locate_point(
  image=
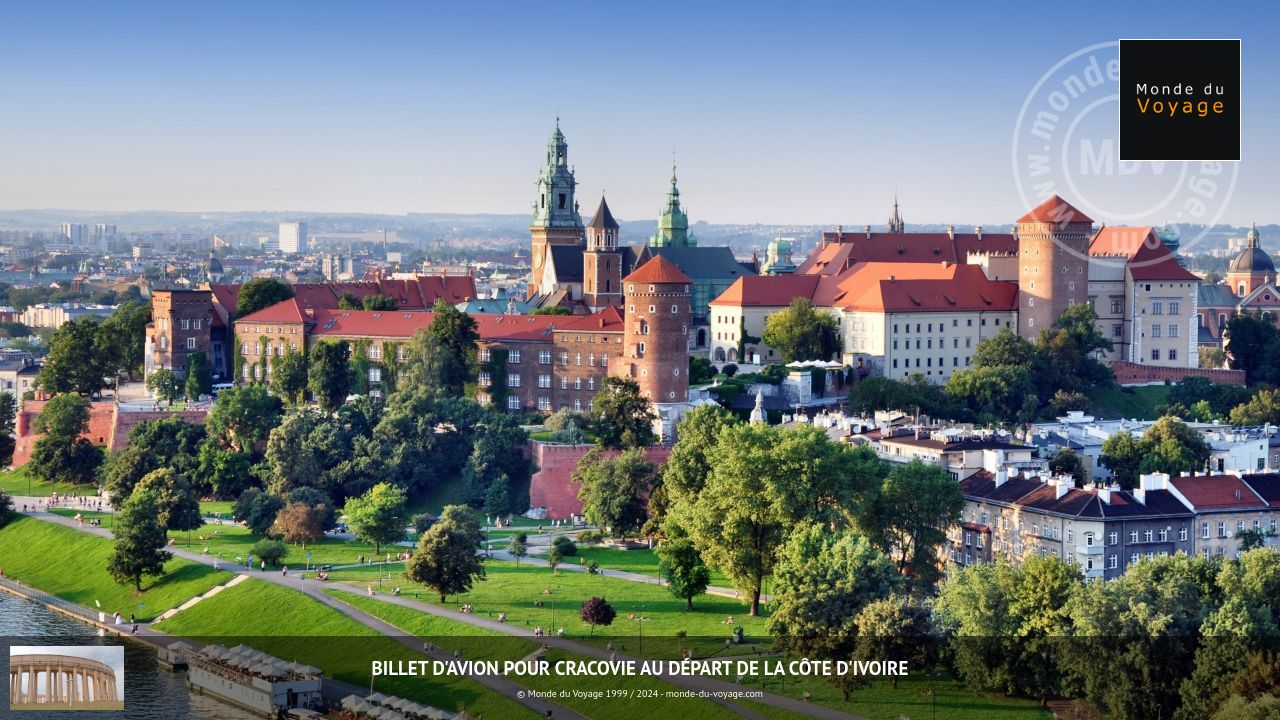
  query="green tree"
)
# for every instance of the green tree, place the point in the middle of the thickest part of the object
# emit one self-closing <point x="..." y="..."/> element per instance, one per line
<point x="261" y="293"/>
<point x="442" y="356"/>
<point x="1252" y="341"/>
<point x="349" y="301"/>
<point x="519" y="547"/>
<point x="223" y="473"/>
<point x="8" y="414"/>
<point x="199" y="376"/>
<point x="1067" y="462"/>
<point x="621" y="417"/>
<point x="62" y="454"/>
<point x="74" y="363"/>
<point x="554" y="557"/>
<point x="821" y="582"/>
<point x="6" y="509"/>
<point x="687" y="575"/>
<point x="448" y="558"/>
<point x="378" y="516"/>
<point x="597" y="611"/>
<point x="802" y="333"/>
<point x="289" y="377"/>
<point x="163" y="385"/>
<point x="896" y="629"/>
<point x="1122" y="454"/>
<point x="688" y="465"/>
<point x="242" y="418"/>
<point x="257" y="510"/>
<point x="138" y="550"/>
<point x="1072" y="348"/>
<point x="177" y="504"/>
<point x="996" y="393"/>
<point x="909" y="518"/>
<point x="1263" y="407"/>
<point x="379" y="302"/>
<point x="614" y="489"/>
<point x="1264" y="707"/>
<point x="171" y="443"/>
<point x="122" y="337"/>
<point x="329" y="375"/>
<point x="551" y="310"/>
<point x="1171" y="446"/>
<point x="269" y="551"/>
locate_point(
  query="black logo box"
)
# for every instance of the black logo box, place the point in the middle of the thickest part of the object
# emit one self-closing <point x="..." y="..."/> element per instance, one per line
<point x="1187" y="69"/>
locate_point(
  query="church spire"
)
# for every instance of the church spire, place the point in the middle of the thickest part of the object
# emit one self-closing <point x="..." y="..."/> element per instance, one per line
<point x="556" y="206"/>
<point x="895" y="221"/>
<point x="673" y="223"/>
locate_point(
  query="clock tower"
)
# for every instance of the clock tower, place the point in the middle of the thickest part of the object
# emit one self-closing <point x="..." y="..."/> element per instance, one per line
<point x="556" y="220"/>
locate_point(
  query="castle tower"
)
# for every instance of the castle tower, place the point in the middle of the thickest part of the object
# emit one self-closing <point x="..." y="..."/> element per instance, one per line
<point x="555" y="213"/>
<point x="673" y="223"/>
<point x="1053" y="263"/>
<point x="656" y="338"/>
<point x="1252" y="268"/>
<point x="602" y="261"/>
<point x="895" y="223"/>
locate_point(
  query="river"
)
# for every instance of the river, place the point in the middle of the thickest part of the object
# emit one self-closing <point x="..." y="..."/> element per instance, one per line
<point x="150" y="691"/>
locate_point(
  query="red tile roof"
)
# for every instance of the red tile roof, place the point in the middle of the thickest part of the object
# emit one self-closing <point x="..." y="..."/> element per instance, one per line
<point x="843" y="250"/>
<point x="287" y="311"/>
<point x="1055" y="210"/>
<point x="1217" y="492"/>
<point x="419" y="293"/>
<point x="916" y="287"/>
<point x="768" y="290"/>
<point x="658" y="270"/>
<point x="1148" y="258"/>
<point x="607" y="320"/>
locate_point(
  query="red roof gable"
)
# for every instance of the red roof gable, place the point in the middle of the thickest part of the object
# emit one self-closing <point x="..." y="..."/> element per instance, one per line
<point x="658" y="270"/>
<point x="1217" y="492"/>
<point x="915" y="287"/>
<point x="1148" y="258"/>
<point x="285" y="311"/>
<point x="606" y="320"/>
<point x="767" y="290"/>
<point x="1055" y="210"/>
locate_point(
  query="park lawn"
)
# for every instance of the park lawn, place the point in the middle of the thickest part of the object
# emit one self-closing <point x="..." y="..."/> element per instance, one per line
<point x="228" y="541"/>
<point x="210" y="508"/>
<point x="19" y="481"/>
<point x="640" y="560"/>
<point x="480" y="644"/>
<point x="512" y="590"/>
<point x="72" y="565"/>
<point x="880" y="701"/>
<point x="1113" y="402"/>
<point x="292" y="626"/>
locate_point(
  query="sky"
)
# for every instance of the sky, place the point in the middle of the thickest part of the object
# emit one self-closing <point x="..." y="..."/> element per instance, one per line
<point x="796" y="112"/>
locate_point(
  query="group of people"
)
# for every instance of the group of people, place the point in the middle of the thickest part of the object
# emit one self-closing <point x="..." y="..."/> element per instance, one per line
<point x="539" y="632"/>
<point x="466" y="608"/>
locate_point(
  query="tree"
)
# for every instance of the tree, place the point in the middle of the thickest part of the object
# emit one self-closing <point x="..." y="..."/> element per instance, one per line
<point x="379" y="302"/>
<point x="518" y="547"/>
<point x="1122" y="454"/>
<point x="1213" y="357"/>
<point x="896" y="629"/>
<point x="614" y="489"/>
<point x="261" y="293"/>
<point x="299" y="523"/>
<point x="6" y="508"/>
<point x="171" y="443"/>
<point x="349" y="301"/>
<point x="242" y="417"/>
<point x="597" y="611"/>
<point x="802" y="333"/>
<point x="74" y="363"/>
<point x="1067" y="462"/>
<point x="551" y="310"/>
<point x="378" y="516"/>
<point x="289" y="377"/>
<point x="909" y="516"/>
<point x="621" y="417"/>
<point x="700" y="370"/>
<point x="687" y="575"/>
<point x="8" y="414"/>
<point x="62" y="454"/>
<point x="442" y="356"/>
<point x="138" y="550"/>
<point x="1250" y="538"/>
<point x="821" y="582"/>
<point x="554" y="557"/>
<point x="1171" y="446"/>
<point x="163" y="385"/>
<point x="177" y="504"/>
<point x="1263" y="407"/>
<point x="1264" y="707"/>
<point x="257" y="510"/>
<point x="996" y="393"/>
<point x="199" y="376"/>
<point x="1252" y="341"/>
<point x="1072" y="348"/>
<point x="223" y="473"/>
<point x="448" y="558"/>
<point x="269" y="551"/>
<point x="688" y="464"/>
<point x="329" y="376"/>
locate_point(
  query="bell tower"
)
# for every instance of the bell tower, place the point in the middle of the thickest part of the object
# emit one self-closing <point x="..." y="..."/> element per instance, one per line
<point x="602" y="261"/>
<point x="555" y="211"/>
<point x="673" y="223"/>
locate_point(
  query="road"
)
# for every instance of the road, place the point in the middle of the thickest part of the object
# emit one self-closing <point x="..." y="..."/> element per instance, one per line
<point x="314" y="589"/>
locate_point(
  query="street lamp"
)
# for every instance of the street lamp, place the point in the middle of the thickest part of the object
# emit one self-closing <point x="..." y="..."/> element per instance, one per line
<point x="640" y="621"/>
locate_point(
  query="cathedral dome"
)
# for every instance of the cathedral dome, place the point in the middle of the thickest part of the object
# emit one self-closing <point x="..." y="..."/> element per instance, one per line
<point x="1253" y="259"/>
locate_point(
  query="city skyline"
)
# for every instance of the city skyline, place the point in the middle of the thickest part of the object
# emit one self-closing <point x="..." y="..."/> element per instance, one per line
<point x="776" y="117"/>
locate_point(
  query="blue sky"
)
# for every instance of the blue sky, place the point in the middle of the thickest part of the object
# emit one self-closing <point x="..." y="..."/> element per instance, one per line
<point x="778" y="112"/>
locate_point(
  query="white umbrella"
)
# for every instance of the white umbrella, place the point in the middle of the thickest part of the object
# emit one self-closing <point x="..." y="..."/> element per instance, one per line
<point x="349" y="702"/>
<point x="376" y="698"/>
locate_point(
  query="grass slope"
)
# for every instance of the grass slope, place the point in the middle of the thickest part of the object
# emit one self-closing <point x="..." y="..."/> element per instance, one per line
<point x="72" y="565"/>
<point x="292" y="626"/>
<point x="19" y="481"/>
<point x="1110" y="403"/>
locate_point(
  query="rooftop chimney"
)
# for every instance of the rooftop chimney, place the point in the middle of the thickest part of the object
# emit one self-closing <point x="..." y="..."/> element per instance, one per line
<point x="978" y="231"/>
<point x="951" y="231"/>
<point x="1061" y="487"/>
<point x="1002" y="476"/>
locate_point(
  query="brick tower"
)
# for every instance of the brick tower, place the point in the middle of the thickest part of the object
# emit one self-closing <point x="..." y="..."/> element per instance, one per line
<point x="555" y="213"/>
<point x="602" y="261"/>
<point x="1053" y="263"/>
<point x="656" y="338"/>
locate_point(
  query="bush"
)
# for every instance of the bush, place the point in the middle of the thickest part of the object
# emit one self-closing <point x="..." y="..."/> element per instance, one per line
<point x="593" y="567"/>
<point x="565" y="545"/>
<point x="590" y="537"/>
<point x="561" y="418"/>
<point x="729" y="370"/>
<point x="272" y="551"/>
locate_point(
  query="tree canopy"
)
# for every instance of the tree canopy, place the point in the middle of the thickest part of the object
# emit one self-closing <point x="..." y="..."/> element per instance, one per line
<point x="261" y="293"/>
<point x="620" y="416"/>
<point x="802" y="332"/>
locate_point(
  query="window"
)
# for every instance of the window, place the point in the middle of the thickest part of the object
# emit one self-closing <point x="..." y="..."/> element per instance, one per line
<point x="1112" y="538"/>
<point x="1155" y="354"/>
<point x="375" y="352"/>
<point x="544" y="404"/>
<point x="1133" y="558"/>
<point x="1070" y="534"/>
<point x="1117" y="330"/>
<point x="1112" y="562"/>
<point x="513" y="380"/>
<point x="1204" y="530"/>
<point x="1116" y="306"/>
<point x="244" y="348"/>
<point x="544" y="381"/>
<point x="591" y="359"/>
<point x="1164" y="535"/>
<point x="604" y="360"/>
<point x="1155" y="331"/>
<point x="591" y="383"/>
<point x="1157" y="307"/>
<point x="1147" y="536"/>
<point x="564" y="383"/>
<point x="1173" y="330"/>
<point x="186" y="324"/>
<point x="514" y="357"/>
<point x="1133" y="536"/>
<point x="577" y="383"/>
<point x="191" y="343"/>
<point x="1182" y="535"/>
<point x="513" y="403"/>
<point x="483" y="355"/>
<point x="484" y="380"/>
<point x="564" y="357"/>
<point x="1174" y="307"/>
<point x="544" y="357"/>
<point x="375" y="374"/>
<point x="1222" y="529"/>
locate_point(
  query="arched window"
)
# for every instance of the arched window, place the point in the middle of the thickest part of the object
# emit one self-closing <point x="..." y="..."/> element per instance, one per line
<point x="719" y="354"/>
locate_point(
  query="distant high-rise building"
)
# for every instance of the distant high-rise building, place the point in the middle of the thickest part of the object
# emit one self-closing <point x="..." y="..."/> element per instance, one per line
<point x="293" y="237"/>
<point x="74" y="233"/>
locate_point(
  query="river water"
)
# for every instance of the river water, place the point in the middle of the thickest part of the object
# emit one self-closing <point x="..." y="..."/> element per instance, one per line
<point x="150" y="691"/>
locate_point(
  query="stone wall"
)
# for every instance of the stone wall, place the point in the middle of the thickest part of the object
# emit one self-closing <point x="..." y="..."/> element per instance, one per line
<point x="1133" y="374"/>
<point x="552" y="486"/>
<point x="108" y="426"/>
